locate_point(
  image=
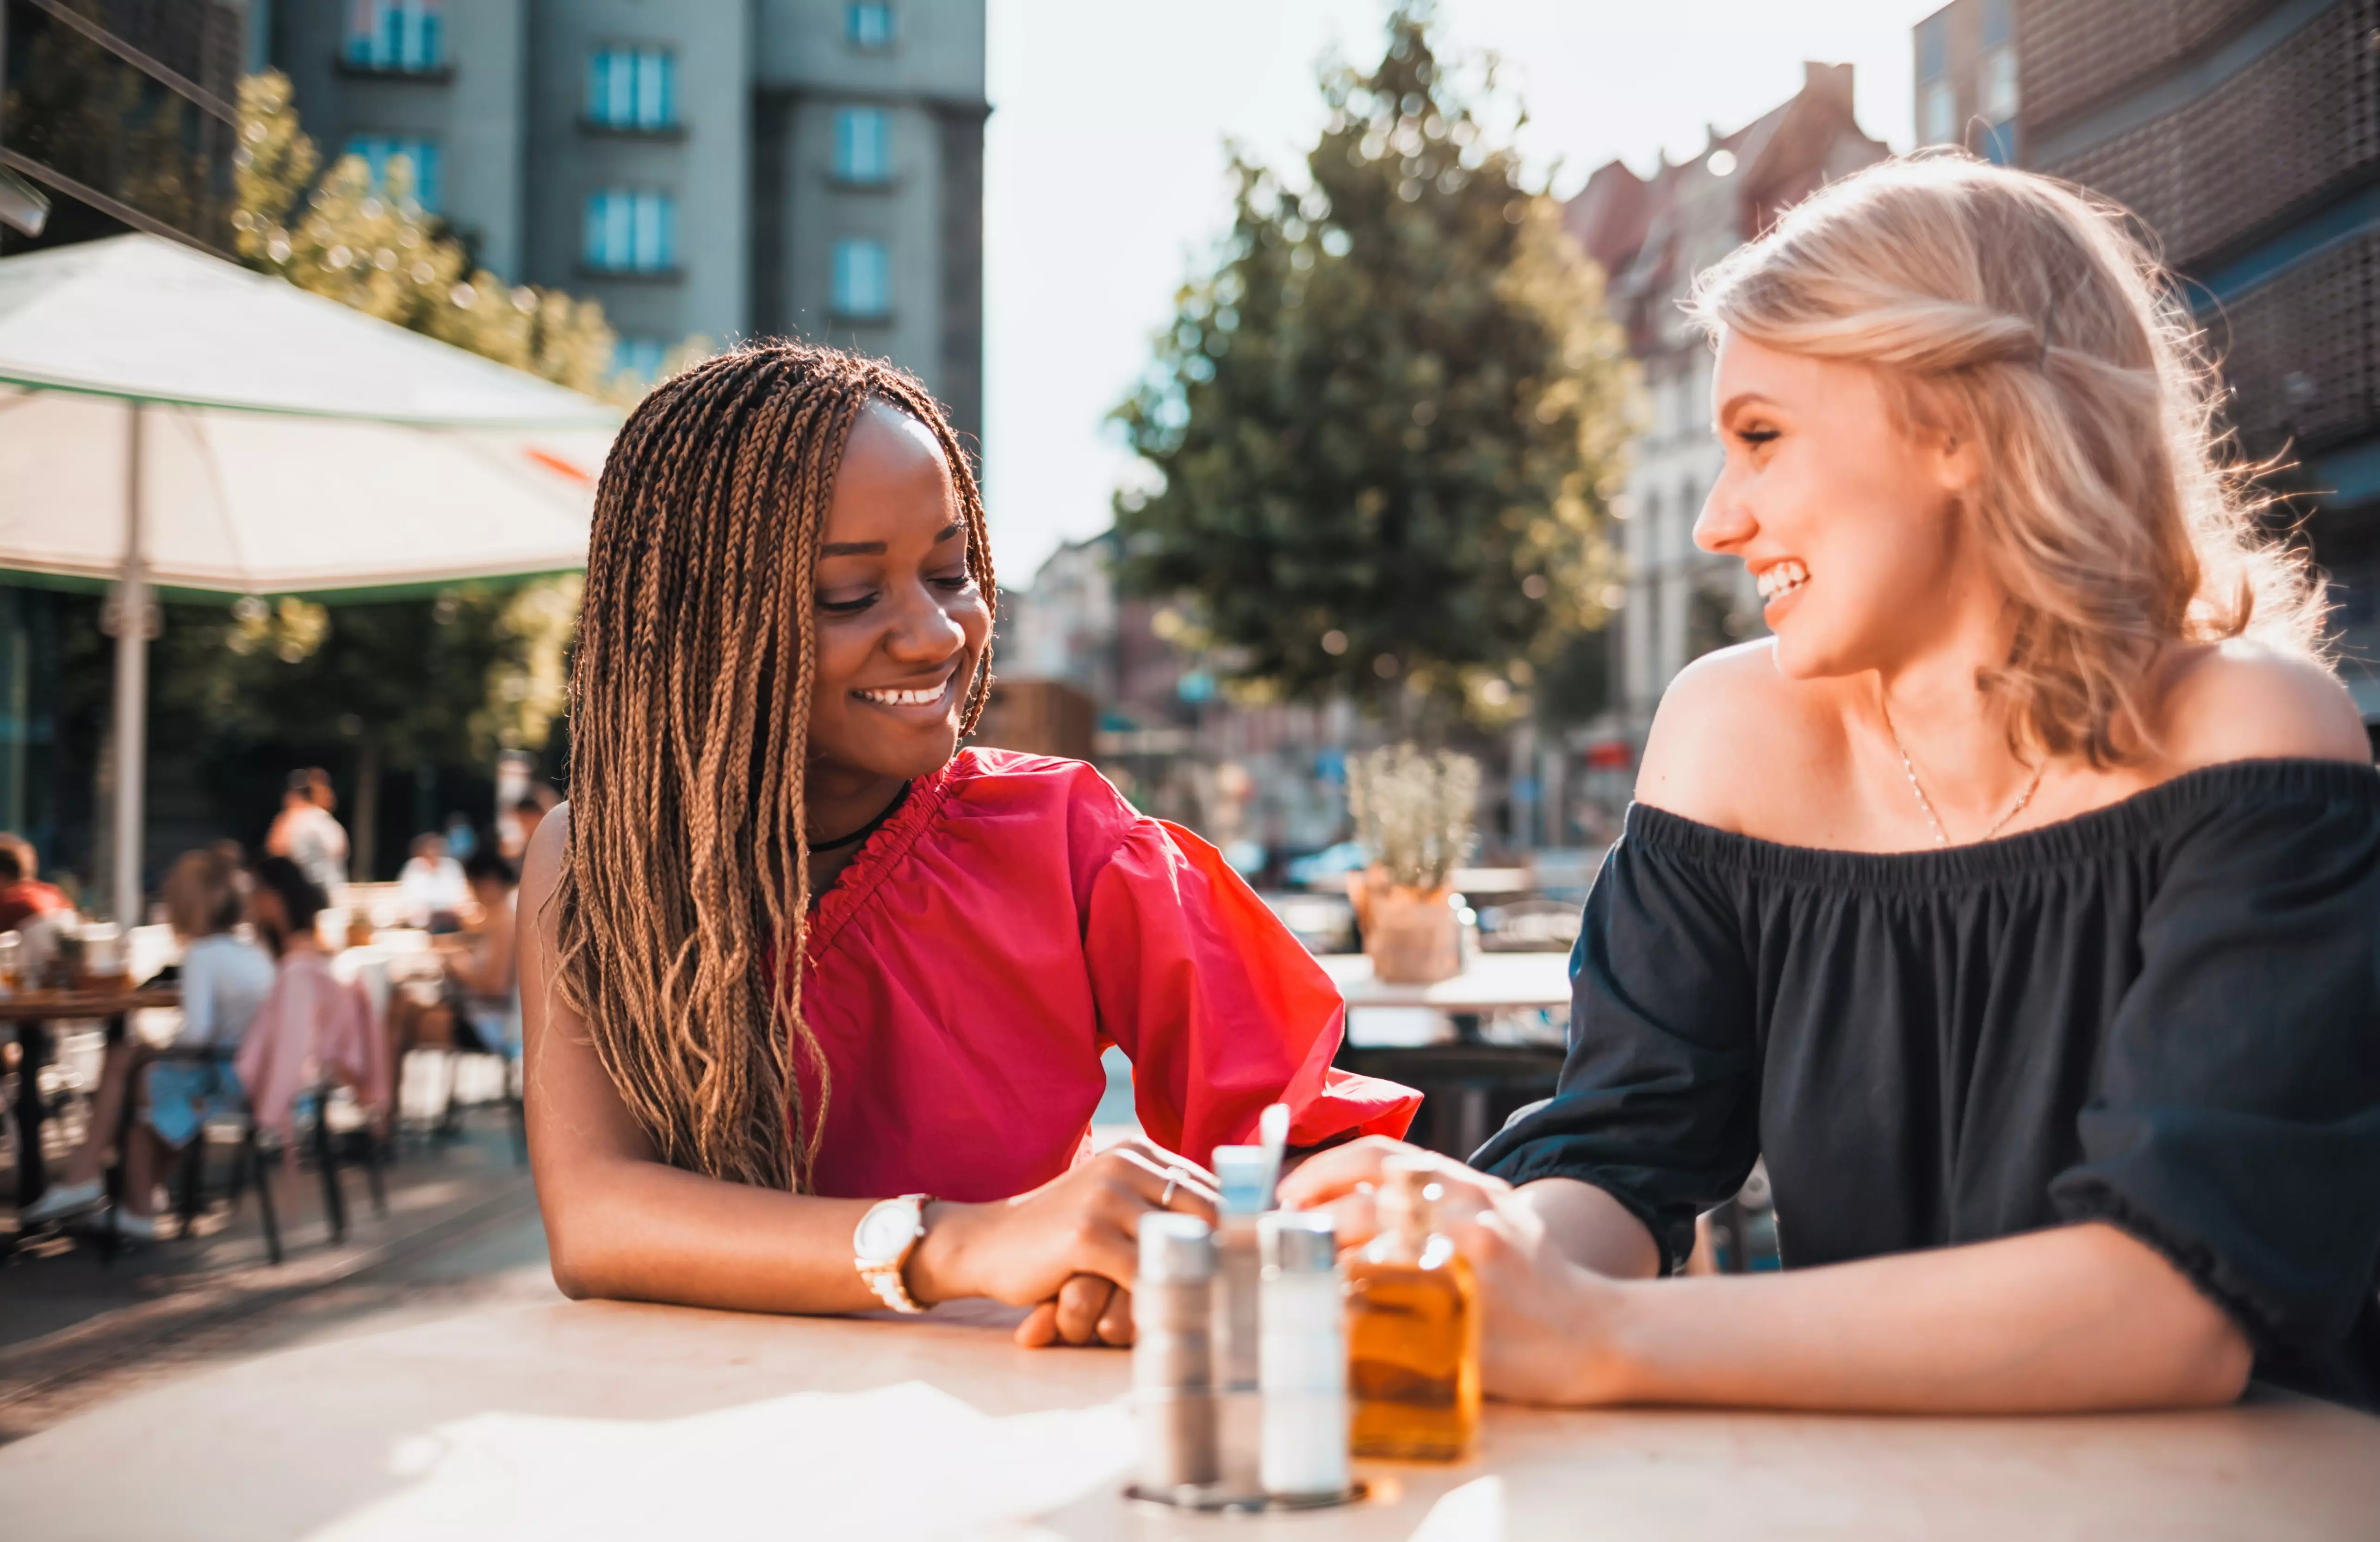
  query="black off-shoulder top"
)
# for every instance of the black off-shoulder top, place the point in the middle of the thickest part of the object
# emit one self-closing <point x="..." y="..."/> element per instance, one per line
<point x="2163" y="1015"/>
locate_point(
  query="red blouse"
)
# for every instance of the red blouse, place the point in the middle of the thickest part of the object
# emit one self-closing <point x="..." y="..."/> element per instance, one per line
<point x="1013" y="919"/>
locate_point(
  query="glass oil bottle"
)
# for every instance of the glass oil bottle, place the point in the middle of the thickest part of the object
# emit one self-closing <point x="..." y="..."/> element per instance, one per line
<point x="1413" y="1330"/>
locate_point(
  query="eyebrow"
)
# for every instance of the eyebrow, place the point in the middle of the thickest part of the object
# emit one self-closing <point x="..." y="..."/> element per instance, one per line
<point x="1740" y="399"/>
<point x="877" y="548"/>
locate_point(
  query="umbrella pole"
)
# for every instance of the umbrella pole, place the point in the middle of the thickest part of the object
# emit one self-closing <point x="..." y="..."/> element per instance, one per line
<point x="132" y="690"/>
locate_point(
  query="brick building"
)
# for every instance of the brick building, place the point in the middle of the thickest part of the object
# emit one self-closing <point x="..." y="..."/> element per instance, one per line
<point x="2246" y="135"/>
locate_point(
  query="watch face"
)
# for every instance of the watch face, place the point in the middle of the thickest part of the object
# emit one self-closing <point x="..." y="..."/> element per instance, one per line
<point x="884" y="1232"/>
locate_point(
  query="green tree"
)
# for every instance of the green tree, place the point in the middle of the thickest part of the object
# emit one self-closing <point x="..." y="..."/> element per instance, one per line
<point x="1387" y="423"/>
<point x="397" y="684"/>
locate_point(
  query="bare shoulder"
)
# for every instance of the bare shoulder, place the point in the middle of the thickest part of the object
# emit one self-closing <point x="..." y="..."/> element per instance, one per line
<point x="541" y="868"/>
<point x="1733" y="738"/>
<point x="2245" y="701"/>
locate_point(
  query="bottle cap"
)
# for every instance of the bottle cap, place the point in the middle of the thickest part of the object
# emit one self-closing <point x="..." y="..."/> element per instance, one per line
<point x="1299" y="1242"/>
<point x="1243" y="1174"/>
<point x="1175" y="1247"/>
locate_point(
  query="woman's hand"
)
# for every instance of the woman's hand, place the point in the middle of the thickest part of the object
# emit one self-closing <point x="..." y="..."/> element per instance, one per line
<point x="1548" y="1327"/>
<point x="1088" y="1310"/>
<point x="1065" y="1247"/>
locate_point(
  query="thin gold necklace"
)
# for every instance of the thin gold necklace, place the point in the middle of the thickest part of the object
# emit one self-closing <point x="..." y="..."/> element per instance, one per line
<point x="1941" y="838"/>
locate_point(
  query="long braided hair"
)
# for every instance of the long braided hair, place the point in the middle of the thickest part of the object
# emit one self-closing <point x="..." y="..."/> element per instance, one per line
<point x="683" y="892"/>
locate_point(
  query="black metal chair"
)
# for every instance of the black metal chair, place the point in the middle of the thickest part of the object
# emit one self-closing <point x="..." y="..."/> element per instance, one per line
<point x="249" y="1165"/>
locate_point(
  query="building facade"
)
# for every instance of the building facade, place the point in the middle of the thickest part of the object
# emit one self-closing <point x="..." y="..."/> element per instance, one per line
<point x="1652" y="235"/>
<point x="721" y="169"/>
<point x="2245" y="134"/>
<point x="1967" y="79"/>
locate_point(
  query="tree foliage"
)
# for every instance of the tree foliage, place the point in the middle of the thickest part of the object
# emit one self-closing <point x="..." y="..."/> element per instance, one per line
<point x="1387" y="422"/>
<point x="448" y="680"/>
<point x="377" y="249"/>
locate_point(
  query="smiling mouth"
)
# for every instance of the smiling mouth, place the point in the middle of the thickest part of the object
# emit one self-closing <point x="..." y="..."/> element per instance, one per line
<point x="925" y="696"/>
<point x="1782" y="580"/>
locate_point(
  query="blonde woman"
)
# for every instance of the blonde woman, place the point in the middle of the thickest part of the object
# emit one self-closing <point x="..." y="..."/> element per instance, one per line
<point x="2017" y="899"/>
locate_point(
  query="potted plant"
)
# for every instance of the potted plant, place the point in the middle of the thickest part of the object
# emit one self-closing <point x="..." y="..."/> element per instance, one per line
<point x="1412" y="814"/>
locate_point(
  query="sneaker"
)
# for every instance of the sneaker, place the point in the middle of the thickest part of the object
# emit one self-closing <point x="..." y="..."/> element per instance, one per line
<point x="136" y="1228"/>
<point x="61" y="1200"/>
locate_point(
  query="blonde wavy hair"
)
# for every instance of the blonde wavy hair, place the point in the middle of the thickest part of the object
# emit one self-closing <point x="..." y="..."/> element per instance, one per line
<point x="2014" y="309"/>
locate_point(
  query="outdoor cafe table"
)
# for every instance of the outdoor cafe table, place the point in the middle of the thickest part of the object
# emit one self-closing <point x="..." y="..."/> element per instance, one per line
<point x="582" y="1423"/>
<point x="31" y="1015"/>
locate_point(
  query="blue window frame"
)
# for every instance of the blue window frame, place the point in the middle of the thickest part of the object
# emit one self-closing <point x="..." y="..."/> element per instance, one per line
<point x="1933" y="46"/>
<point x="379" y="150"/>
<point x="396" y="34"/>
<point x="863" y="144"/>
<point x="631" y="232"/>
<point x="863" y="278"/>
<point x="868" y="25"/>
<point x="1997" y="22"/>
<point x="640" y="357"/>
<point x="632" y="87"/>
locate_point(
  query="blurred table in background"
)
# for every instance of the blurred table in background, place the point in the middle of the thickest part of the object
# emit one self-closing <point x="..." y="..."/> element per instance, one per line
<point x="600" y="1420"/>
<point x="1477" y="1046"/>
<point x="29" y="1014"/>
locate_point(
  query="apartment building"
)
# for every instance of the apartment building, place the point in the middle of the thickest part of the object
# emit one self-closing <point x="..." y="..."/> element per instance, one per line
<point x="716" y="168"/>
<point x="2246" y="136"/>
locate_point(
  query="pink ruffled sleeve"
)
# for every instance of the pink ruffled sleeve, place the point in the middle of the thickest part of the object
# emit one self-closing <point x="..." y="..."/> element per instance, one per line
<point x="1219" y="1008"/>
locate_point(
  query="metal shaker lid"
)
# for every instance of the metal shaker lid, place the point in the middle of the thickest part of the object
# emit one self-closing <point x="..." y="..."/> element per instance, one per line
<point x="1299" y="1242"/>
<point x="1175" y="1247"/>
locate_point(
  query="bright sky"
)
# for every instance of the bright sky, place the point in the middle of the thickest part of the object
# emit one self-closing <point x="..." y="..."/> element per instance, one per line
<point x="1104" y="168"/>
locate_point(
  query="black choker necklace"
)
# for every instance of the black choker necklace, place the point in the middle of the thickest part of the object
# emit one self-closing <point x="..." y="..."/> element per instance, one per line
<point x="864" y="832"/>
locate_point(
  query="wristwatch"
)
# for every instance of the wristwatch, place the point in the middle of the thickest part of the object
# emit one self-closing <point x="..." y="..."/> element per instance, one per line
<point x="880" y="1245"/>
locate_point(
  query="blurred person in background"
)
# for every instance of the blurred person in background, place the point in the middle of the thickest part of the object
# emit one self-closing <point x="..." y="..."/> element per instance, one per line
<point x="530" y="812"/>
<point x="306" y="832"/>
<point x="312" y="1028"/>
<point x="431" y="886"/>
<point x="2016" y="900"/>
<point x="479" y="1000"/>
<point x="461" y="838"/>
<point x="224" y="979"/>
<point x="484" y="967"/>
<point x="22" y="894"/>
<point x="815" y="999"/>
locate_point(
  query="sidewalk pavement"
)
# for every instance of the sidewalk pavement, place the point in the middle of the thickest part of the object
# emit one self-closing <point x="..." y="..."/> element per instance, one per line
<point x="462" y="1226"/>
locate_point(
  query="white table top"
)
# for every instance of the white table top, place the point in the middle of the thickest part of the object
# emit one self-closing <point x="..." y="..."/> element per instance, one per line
<point x="1490" y="982"/>
<point x="587" y="1422"/>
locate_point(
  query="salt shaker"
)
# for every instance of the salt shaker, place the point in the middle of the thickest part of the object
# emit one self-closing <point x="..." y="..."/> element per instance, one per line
<point x="1242" y="1175"/>
<point x="1304" y="1358"/>
<point x="1173" y="1369"/>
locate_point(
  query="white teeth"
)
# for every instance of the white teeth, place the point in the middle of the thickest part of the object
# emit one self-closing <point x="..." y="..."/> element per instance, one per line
<point x="1784" y="579"/>
<point x="906" y="698"/>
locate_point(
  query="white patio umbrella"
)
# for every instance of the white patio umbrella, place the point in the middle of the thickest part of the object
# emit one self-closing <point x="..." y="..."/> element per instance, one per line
<point x="171" y="422"/>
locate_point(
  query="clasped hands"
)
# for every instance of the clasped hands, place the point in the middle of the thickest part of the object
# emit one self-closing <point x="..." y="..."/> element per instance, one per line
<point x="1069" y="1251"/>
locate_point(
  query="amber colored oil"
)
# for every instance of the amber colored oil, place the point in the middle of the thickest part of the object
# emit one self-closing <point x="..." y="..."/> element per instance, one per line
<point x="1412" y="1350"/>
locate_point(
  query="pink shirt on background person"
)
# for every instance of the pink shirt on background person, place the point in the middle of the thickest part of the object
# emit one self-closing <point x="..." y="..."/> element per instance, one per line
<point x="311" y="1028"/>
<point x="1011" y="920"/>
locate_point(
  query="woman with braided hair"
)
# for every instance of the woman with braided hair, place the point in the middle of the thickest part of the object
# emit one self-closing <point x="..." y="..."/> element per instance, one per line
<point x="2018" y="901"/>
<point x="813" y="999"/>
